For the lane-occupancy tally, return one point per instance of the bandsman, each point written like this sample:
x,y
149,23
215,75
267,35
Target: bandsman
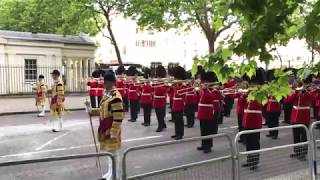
x,y
178,103
160,99
57,107
41,95
111,116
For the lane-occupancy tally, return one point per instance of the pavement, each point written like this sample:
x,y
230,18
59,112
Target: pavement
x,y
10,105
26,136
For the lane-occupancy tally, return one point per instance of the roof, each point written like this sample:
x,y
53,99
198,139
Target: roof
x,y
81,39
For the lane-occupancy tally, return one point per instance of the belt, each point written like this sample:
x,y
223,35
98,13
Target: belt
x,y
132,90
96,89
301,107
145,94
120,88
189,94
253,111
272,100
206,105
216,100
178,99
159,97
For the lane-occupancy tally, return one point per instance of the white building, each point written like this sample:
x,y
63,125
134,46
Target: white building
x,y
173,46
146,47
24,56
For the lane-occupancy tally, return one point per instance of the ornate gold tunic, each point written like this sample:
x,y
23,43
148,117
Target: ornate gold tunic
x,y
111,115
57,98
41,91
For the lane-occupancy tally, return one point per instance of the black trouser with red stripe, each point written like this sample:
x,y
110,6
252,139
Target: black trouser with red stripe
x,y
240,127
134,105
300,135
208,127
161,114
147,113
253,143
190,110
287,107
273,121
177,117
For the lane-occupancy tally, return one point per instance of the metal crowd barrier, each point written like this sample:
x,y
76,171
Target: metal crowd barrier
x,y
275,162
167,172
315,136
63,158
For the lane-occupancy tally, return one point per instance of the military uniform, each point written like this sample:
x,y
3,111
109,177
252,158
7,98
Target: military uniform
x,y
159,104
111,115
41,91
252,119
121,87
273,111
241,106
57,107
146,103
191,101
177,111
228,99
207,115
300,115
133,96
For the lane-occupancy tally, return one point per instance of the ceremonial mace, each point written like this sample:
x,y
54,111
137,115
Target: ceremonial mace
x,y
94,136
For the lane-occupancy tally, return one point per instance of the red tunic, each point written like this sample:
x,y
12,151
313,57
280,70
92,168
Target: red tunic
x,y
300,113
242,103
205,106
100,87
231,83
121,87
93,84
160,97
252,117
217,100
133,92
146,95
273,105
178,99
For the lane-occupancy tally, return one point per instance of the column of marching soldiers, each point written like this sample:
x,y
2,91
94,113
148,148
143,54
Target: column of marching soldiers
x,y
201,97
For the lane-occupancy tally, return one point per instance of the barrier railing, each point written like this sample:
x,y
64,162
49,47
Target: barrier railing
x,y
171,173
275,162
62,158
315,136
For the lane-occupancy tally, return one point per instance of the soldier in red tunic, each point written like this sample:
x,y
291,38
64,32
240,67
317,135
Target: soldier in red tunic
x,y
93,85
241,95
252,119
287,105
272,116
208,109
146,103
133,94
178,103
191,101
228,100
300,114
160,99
122,88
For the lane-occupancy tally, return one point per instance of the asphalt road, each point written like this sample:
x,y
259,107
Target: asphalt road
x,y
27,137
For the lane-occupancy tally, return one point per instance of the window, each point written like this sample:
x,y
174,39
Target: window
x,y
30,70
146,43
124,50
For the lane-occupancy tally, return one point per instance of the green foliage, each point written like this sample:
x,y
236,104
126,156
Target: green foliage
x,y
47,16
277,88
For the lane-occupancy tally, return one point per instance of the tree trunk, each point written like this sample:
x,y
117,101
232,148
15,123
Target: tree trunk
x,y
211,41
113,39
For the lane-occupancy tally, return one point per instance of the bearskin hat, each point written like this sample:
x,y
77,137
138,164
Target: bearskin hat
x,y
132,71
260,77
209,77
109,77
120,70
147,73
96,73
161,72
180,73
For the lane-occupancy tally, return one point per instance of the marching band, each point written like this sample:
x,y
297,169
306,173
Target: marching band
x,y
202,98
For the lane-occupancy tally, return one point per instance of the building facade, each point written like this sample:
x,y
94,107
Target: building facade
x,y
24,56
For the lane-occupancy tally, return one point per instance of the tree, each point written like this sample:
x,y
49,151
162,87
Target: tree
x,y
46,16
212,16
61,16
